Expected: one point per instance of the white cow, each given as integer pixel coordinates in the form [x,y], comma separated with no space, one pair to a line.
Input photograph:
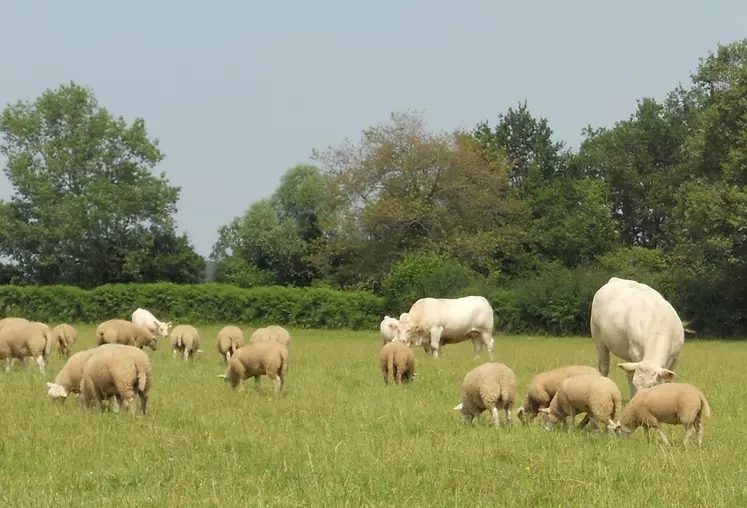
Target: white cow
[148,320]
[403,316]
[442,321]
[635,323]
[389,329]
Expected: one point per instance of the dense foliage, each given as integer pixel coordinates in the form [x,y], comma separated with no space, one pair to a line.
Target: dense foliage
[501,210]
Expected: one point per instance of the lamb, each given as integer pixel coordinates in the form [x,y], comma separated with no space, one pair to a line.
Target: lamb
[389,329]
[398,359]
[69,378]
[267,358]
[185,339]
[490,386]
[119,370]
[63,337]
[543,387]
[230,338]
[670,403]
[596,395]
[121,331]
[273,333]
[144,318]
[23,340]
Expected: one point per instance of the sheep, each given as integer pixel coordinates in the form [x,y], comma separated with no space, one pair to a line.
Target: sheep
[672,403]
[69,378]
[268,358]
[121,331]
[185,339]
[119,370]
[22,340]
[398,359]
[596,395]
[490,386]
[543,387]
[389,329]
[9,321]
[63,337]
[230,338]
[274,333]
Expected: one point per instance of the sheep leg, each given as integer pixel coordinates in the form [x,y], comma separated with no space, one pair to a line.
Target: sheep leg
[173,353]
[572,416]
[278,384]
[186,355]
[689,429]
[584,421]
[143,401]
[256,384]
[662,436]
[386,378]
[496,421]
[228,356]
[8,363]
[42,363]
[507,410]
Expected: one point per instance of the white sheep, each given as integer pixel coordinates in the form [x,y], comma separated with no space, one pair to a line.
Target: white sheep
[389,328]
[268,358]
[185,339]
[543,387]
[398,359]
[273,332]
[120,371]
[69,378]
[672,403]
[490,386]
[63,338]
[595,395]
[19,341]
[230,338]
[121,331]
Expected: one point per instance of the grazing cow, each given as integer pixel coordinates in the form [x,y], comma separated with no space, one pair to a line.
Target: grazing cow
[389,329]
[442,321]
[144,318]
[635,323]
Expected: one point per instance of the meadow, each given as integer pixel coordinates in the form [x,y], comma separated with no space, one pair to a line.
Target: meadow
[337,436]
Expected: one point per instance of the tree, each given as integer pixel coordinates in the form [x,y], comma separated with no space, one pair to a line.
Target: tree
[405,189]
[86,209]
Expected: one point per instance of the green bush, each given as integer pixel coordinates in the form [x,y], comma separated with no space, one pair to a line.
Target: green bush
[426,274]
[198,304]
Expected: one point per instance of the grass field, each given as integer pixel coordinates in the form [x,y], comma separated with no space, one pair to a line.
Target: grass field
[338,436]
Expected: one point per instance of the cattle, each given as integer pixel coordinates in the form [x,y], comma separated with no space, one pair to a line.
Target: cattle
[389,329]
[435,322]
[635,323]
[144,318]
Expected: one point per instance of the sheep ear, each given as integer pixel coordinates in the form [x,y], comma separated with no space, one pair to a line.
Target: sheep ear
[545,410]
[49,385]
[168,325]
[222,376]
[666,374]
[458,407]
[628,367]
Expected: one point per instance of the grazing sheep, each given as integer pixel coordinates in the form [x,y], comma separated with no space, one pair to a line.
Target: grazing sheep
[593,394]
[69,378]
[543,387]
[119,370]
[389,329]
[185,339]
[230,338]
[121,331]
[63,337]
[490,386]
[144,318]
[9,321]
[672,403]
[268,358]
[398,359]
[273,333]
[26,340]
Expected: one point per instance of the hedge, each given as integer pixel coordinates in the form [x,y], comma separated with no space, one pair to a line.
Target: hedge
[210,303]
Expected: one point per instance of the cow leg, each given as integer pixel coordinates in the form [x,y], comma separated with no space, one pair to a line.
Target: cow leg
[477,346]
[436,340]
[603,358]
[487,339]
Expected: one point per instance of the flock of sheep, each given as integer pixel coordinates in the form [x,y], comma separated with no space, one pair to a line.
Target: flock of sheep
[629,319]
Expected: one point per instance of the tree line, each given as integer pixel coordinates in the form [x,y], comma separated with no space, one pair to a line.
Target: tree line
[501,209]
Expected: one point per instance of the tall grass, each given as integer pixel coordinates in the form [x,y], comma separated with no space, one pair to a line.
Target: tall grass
[337,436]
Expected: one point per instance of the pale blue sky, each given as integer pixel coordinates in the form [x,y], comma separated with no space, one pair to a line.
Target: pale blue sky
[238,92]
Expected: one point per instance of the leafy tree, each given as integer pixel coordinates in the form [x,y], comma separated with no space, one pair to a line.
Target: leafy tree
[86,209]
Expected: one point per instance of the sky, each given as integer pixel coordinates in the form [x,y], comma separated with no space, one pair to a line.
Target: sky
[238,93]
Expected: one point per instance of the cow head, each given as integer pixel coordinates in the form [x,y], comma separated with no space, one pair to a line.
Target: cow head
[412,334]
[645,374]
[163,329]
